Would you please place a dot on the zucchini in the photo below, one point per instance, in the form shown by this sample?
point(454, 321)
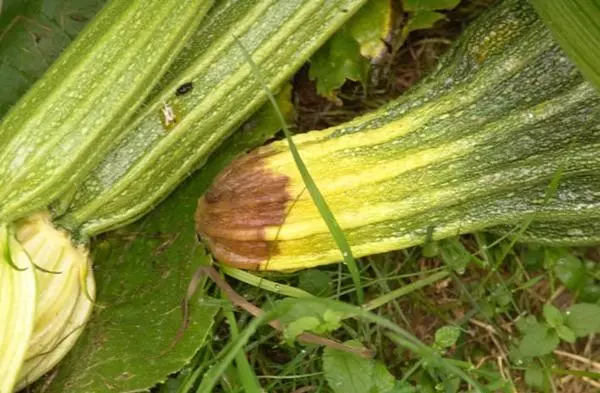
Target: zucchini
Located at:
point(208, 94)
point(504, 131)
point(72, 116)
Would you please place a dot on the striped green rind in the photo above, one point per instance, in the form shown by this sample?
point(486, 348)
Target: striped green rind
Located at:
point(155, 157)
point(576, 26)
point(73, 115)
point(475, 145)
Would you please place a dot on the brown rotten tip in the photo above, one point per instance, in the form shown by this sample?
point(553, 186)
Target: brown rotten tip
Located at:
point(232, 216)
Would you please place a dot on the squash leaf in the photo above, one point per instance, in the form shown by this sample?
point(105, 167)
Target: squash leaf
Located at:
point(339, 59)
point(424, 15)
point(422, 20)
point(142, 272)
point(345, 56)
point(371, 27)
point(32, 35)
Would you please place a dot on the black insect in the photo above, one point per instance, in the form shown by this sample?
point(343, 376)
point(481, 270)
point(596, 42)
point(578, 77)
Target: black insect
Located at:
point(184, 89)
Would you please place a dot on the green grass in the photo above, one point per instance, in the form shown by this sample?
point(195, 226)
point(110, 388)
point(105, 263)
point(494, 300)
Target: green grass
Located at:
point(403, 288)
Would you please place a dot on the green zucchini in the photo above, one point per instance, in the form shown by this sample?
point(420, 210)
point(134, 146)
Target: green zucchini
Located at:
point(209, 93)
point(67, 122)
point(504, 131)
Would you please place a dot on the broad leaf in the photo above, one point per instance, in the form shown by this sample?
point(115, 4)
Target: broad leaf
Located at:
point(422, 20)
point(553, 315)
point(298, 318)
point(454, 254)
point(339, 59)
point(345, 55)
point(446, 336)
point(371, 27)
point(32, 35)
point(536, 378)
point(142, 273)
point(569, 269)
point(315, 281)
point(583, 318)
point(349, 373)
point(566, 334)
point(539, 340)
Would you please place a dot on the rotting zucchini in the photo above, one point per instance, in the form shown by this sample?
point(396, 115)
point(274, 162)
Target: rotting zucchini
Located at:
point(67, 122)
point(504, 131)
point(209, 93)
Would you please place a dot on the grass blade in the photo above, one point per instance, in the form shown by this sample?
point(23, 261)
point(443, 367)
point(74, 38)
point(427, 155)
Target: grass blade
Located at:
point(212, 376)
point(311, 186)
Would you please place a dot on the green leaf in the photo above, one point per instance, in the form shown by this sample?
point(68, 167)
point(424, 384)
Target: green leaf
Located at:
point(299, 326)
point(298, 318)
point(583, 318)
point(446, 336)
point(533, 256)
point(569, 270)
point(553, 315)
point(590, 292)
point(526, 323)
point(422, 20)
point(142, 273)
point(430, 249)
point(371, 27)
point(315, 281)
point(349, 373)
point(454, 254)
point(403, 387)
point(344, 56)
point(32, 35)
point(539, 340)
point(502, 296)
point(574, 24)
point(535, 377)
point(431, 5)
point(566, 334)
point(339, 59)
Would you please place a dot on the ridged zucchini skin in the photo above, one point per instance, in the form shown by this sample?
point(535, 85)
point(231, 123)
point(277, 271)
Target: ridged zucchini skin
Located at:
point(67, 122)
point(156, 155)
point(476, 145)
